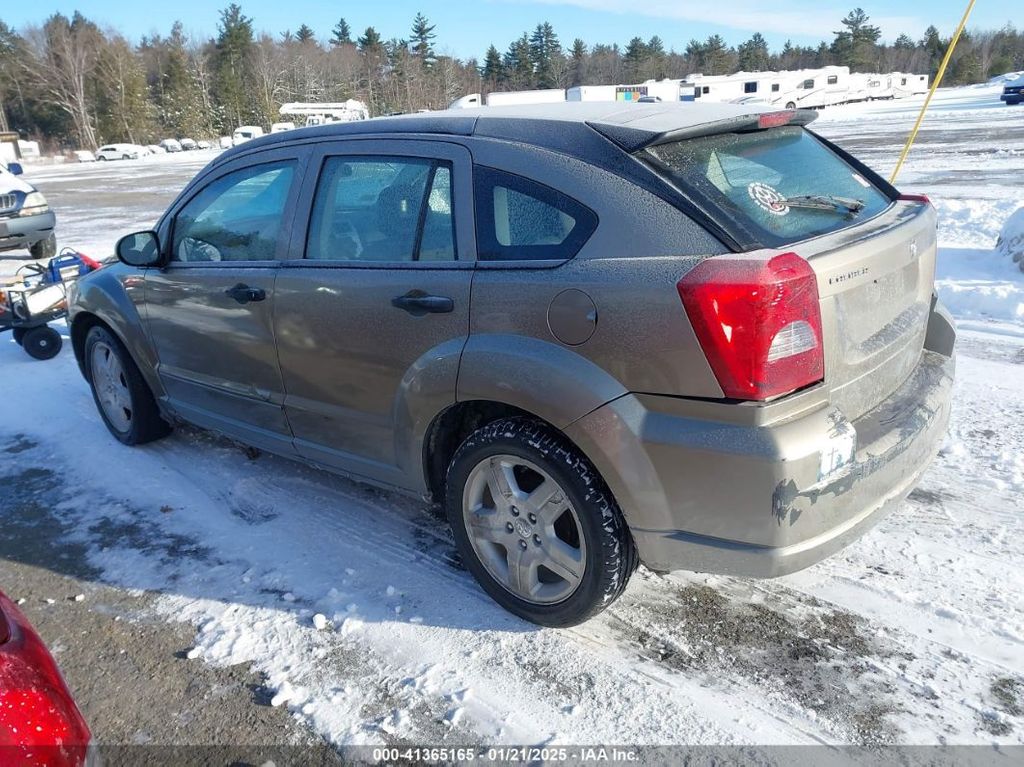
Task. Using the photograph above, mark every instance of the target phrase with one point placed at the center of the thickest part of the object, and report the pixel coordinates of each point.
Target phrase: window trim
(421, 218)
(486, 178)
(168, 224)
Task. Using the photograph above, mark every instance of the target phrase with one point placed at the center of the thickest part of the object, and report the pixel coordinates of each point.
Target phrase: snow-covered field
(915, 634)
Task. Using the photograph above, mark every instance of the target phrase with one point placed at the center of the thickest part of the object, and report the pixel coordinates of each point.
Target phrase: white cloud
(782, 17)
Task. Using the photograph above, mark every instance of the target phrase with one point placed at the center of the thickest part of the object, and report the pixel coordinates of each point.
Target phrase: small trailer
(37, 296)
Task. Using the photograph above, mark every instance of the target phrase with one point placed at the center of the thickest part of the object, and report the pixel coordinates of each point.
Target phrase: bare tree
(64, 56)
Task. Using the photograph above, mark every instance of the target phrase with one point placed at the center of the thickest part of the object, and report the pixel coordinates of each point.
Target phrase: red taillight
(758, 322)
(774, 119)
(922, 198)
(39, 722)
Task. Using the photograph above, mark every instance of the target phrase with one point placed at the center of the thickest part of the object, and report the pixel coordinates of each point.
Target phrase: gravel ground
(128, 670)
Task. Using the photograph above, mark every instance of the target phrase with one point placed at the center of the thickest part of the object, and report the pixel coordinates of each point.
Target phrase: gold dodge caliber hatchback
(695, 336)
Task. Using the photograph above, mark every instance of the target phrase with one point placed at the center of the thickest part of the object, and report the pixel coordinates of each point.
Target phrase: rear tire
(122, 396)
(44, 248)
(790, 105)
(41, 343)
(578, 529)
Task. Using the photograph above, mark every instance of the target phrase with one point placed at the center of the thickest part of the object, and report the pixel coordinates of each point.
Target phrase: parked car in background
(201, 144)
(225, 142)
(83, 155)
(39, 721)
(118, 152)
(188, 145)
(26, 221)
(156, 149)
(281, 127)
(246, 133)
(742, 380)
(1013, 91)
(171, 145)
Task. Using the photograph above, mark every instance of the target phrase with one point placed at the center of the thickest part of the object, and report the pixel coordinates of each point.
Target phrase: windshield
(749, 177)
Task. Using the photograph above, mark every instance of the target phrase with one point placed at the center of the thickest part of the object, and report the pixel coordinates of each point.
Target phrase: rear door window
(519, 219)
(747, 178)
(383, 209)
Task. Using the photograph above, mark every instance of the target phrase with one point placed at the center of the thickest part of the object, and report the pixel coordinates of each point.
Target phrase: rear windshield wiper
(828, 202)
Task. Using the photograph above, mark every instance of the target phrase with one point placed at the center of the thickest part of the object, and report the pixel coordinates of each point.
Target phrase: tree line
(74, 84)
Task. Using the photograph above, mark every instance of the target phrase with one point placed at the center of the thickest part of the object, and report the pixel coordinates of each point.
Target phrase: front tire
(535, 524)
(44, 248)
(124, 400)
(41, 343)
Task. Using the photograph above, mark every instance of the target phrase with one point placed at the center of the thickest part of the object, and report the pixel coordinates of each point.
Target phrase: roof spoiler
(633, 139)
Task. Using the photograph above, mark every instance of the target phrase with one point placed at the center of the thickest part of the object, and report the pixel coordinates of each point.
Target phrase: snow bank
(1011, 240)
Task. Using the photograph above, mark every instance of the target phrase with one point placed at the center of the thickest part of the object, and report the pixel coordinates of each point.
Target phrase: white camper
(322, 114)
(879, 86)
(813, 88)
(742, 87)
(591, 93)
(513, 98)
(652, 90)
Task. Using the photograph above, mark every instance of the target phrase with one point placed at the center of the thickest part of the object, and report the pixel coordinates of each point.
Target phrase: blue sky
(466, 27)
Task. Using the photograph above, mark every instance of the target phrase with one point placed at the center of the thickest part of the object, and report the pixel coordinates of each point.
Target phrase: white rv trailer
(813, 88)
(321, 114)
(652, 90)
(513, 98)
(509, 98)
(742, 87)
(879, 86)
(905, 85)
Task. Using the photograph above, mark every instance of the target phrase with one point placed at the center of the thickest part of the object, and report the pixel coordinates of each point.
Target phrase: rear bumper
(26, 231)
(765, 500)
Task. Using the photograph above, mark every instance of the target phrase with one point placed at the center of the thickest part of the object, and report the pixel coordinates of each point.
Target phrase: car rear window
(746, 177)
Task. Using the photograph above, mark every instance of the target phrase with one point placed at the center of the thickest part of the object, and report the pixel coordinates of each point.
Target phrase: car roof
(632, 126)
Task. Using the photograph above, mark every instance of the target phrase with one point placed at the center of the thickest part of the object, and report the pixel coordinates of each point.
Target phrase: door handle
(243, 294)
(418, 303)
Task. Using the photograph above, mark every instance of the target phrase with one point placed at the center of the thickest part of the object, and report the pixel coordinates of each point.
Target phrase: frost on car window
(522, 220)
(235, 218)
(372, 209)
(744, 176)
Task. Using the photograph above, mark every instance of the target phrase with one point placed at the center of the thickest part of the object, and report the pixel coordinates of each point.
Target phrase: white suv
(118, 152)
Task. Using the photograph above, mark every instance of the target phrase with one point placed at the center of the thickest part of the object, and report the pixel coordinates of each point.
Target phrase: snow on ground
(914, 634)
(968, 158)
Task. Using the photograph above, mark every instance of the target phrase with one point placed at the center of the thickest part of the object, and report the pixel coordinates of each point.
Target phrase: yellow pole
(931, 91)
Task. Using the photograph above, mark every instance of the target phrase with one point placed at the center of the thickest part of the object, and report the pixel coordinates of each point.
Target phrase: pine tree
(517, 64)
(856, 45)
(370, 41)
(492, 71)
(305, 34)
(233, 65)
(422, 38)
(9, 43)
(545, 55)
(753, 54)
(716, 56)
(636, 57)
(342, 33)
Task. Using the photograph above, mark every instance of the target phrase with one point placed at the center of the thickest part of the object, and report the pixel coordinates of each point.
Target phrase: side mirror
(15, 168)
(139, 249)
